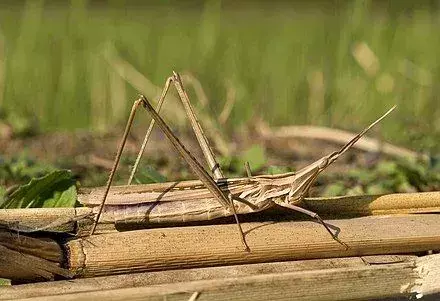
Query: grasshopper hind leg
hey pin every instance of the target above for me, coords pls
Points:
(136, 105)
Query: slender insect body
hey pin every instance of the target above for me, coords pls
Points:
(180, 204)
(175, 211)
(210, 197)
(189, 201)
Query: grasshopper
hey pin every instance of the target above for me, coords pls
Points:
(209, 197)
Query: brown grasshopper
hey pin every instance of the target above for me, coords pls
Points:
(208, 197)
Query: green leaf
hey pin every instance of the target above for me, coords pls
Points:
(66, 198)
(387, 168)
(21, 168)
(361, 175)
(56, 189)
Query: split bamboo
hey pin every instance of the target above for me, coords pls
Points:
(215, 245)
(328, 279)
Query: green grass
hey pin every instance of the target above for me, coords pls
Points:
(54, 73)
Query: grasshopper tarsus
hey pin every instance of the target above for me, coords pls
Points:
(315, 216)
(333, 235)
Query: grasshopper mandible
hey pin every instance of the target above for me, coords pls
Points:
(208, 197)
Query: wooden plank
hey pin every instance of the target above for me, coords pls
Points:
(189, 247)
(351, 282)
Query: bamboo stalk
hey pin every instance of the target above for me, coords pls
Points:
(189, 275)
(189, 247)
(396, 203)
(62, 219)
(352, 282)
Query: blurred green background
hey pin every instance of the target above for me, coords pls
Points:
(332, 63)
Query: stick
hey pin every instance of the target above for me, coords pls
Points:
(214, 274)
(372, 282)
(247, 167)
(187, 247)
(25, 258)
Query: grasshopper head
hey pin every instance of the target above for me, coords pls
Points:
(305, 177)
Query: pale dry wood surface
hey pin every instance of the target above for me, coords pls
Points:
(214, 245)
(24, 258)
(35, 218)
(396, 203)
(347, 279)
(186, 275)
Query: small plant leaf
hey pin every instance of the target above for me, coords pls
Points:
(21, 169)
(56, 189)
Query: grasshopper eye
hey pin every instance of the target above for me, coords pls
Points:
(324, 163)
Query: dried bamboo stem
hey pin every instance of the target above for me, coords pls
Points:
(188, 275)
(187, 247)
(35, 218)
(355, 281)
(24, 258)
(396, 203)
